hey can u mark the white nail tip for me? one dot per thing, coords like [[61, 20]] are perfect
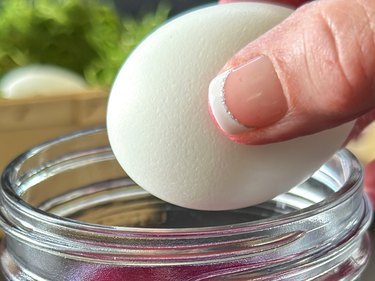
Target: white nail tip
[[218, 107]]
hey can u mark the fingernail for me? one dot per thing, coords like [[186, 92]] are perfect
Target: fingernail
[[247, 97]]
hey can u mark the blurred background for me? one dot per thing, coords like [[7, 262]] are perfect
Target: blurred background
[[58, 60], [177, 6]]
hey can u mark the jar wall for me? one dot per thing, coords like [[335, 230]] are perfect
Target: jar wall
[[69, 212]]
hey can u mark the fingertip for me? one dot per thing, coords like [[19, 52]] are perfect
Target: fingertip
[[224, 120], [247, 98]]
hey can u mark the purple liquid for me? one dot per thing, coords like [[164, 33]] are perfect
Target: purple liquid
[[166, 273]]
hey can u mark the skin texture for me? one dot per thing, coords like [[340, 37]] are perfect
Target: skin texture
[[324, 51]]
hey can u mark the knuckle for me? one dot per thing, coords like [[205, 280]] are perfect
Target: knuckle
[[349, 31]]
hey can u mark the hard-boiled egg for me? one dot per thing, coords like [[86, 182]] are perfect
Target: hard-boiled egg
[[40, 80]]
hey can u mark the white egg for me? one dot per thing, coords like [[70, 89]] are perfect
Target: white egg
[[40, 80], [162, 134]]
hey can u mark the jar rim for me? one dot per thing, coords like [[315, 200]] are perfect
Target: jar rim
[[8, 186], [300, 233]]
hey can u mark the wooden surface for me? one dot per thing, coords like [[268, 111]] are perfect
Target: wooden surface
[[25, 123]]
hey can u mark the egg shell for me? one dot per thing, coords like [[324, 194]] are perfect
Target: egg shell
[[40, 80], [161, 131]]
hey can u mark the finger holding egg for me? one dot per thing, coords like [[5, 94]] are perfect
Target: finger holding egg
[[162, 134]]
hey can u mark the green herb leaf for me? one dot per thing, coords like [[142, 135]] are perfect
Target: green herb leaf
[[87, 37]]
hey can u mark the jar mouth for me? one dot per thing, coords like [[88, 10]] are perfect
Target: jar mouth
[[335, 191], [344, 185]]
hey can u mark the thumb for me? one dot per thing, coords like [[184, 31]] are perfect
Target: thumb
[[314, 71]]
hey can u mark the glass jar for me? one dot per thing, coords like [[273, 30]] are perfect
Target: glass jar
[[70, 213]]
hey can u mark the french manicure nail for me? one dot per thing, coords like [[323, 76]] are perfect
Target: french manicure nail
[[247, 97]]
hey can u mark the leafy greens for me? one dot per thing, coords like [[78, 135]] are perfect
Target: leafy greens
[[87, 37]]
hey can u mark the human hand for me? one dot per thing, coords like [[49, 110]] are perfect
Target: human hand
[[317, 68]]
